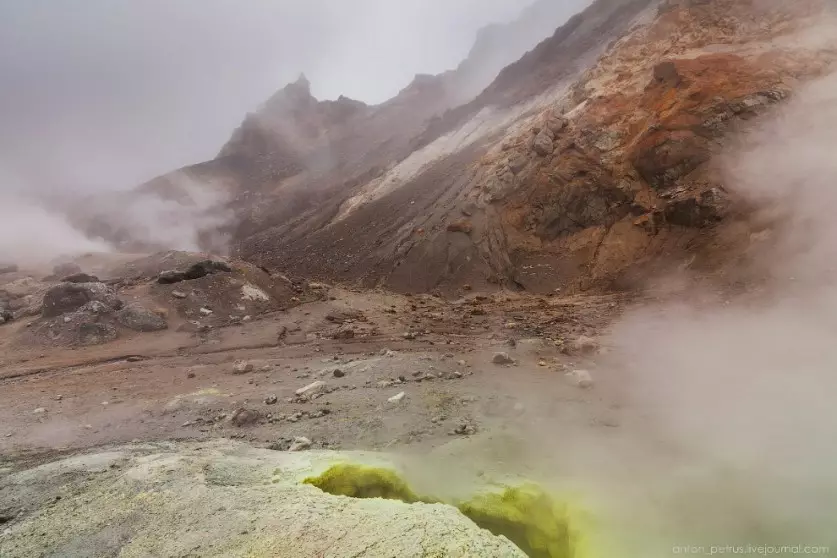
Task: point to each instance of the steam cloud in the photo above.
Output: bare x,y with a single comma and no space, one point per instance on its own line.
741,396
32,235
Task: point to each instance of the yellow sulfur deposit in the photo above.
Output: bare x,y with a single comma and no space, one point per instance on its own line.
358,481
527,515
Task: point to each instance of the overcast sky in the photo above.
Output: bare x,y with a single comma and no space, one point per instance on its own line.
105,94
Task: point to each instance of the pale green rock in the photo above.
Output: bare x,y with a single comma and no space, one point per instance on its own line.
220,499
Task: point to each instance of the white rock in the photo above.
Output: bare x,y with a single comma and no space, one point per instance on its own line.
253,293
300,443
242,367
206,311
397,398
39,411
313,389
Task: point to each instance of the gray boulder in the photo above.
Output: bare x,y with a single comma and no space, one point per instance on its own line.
195,271
69,297
543,144
138,318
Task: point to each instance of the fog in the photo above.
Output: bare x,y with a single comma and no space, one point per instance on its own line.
108,94
742,391
102,96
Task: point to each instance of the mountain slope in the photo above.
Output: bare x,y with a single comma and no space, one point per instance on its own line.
295,152
573,169
582,165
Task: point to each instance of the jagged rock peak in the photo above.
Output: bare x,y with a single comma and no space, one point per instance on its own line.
301,84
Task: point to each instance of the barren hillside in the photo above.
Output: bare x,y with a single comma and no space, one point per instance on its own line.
584,164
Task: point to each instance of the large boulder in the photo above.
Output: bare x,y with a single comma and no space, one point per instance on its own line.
543,144
147,500
69,297
195,271
139,318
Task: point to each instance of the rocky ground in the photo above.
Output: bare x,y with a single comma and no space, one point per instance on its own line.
326,369
587,167
347,369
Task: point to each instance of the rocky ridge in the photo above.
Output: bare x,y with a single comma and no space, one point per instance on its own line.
583,165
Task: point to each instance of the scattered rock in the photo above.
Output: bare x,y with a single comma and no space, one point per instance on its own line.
280,445
244,417
139,318
134,358
345,332
337,373
39,411
342,316
271,400
242,367
313,389
465,429
6,315
300,443
190,375
397,398
581,378
410,336
179,294
502,358
462,225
